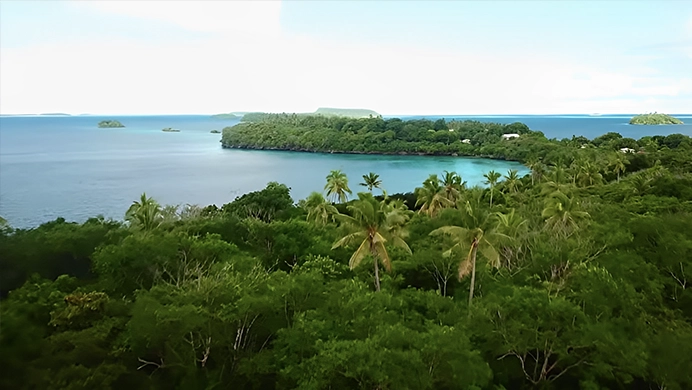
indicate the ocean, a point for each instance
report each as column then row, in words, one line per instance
column 65, row 166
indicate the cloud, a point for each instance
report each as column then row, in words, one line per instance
column 250, row 64
column 256, row 17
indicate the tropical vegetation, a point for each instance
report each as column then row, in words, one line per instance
column 110, row 123
column 655, row 119
column 575, row 276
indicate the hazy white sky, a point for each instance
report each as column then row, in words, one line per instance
column 492, row 57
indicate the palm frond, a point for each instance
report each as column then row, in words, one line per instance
column 358, row 255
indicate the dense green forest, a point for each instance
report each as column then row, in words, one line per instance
column 426, row 137
column 324, row 112
column 576, row 276
column 655, row 119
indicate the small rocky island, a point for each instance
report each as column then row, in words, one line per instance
column 110, row 123
column 215, row 132
column 655, row 119
column 170, row 130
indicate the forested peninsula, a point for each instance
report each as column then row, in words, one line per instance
column 575, row 276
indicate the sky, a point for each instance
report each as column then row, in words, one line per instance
column 394, row 57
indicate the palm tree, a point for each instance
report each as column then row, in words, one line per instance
column 374, row 223
column 319, row 209
column 478, row 234
column 371, row 180
column 492, row 178
column 431, row 196
column 453, row 186
column 337, row 186
column 617, row 163
column 557, row 180
column 562, row 214
column 589, row 174
column 145, row 214
column 537, row 170
column 513, row 226
column 512, row 180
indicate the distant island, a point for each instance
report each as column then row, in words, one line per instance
column 170, row 130
column 54, row 114
column 225, row 116
column 655, row 119
column 215, row 132
column 110, row 123
column 355, row 113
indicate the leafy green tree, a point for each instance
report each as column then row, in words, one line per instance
column 144, row 214
column 374, row 223
column 431, row 196
column 371, row 180
column 337, row 186
column 491, row 179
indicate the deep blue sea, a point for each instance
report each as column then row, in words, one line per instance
column 53, row 166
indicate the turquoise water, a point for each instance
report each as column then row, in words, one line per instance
column 67, row 167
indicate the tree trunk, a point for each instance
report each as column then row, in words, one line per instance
column 474, row 248
column 377, row 267
column 491, row 197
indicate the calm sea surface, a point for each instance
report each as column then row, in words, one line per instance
column 67, row 167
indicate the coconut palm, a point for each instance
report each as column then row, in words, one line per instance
column 145, row 214
column 618, row 163
column 319, row 209
column 537, row 170
column 562, row 214
column 452, row 185
column 337, row 186
column 373, row 224
column 371, row 180
column 431, row 196
column 514, row 226
column 512, row 180
column 492, row 178
column 589, row 174
column 478, row 234
column 557, row 180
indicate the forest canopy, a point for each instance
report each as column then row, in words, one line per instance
column 655, row 119
column 575, row 276
column 110, row 123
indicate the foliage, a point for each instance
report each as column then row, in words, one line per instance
column 654, row 119
column 579, row 274
column 110, row 123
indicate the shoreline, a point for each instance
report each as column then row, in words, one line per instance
column 420, row 154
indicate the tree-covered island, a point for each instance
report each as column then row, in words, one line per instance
column 655, row 119
column 170, row 130
column 110, row 124
column 575, row 276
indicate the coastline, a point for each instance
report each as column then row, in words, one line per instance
column 355, row 152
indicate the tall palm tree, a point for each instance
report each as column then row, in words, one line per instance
column 371, row 180
column 337, row 186
column 562, row 214
column 431, row 196
column 478, row 234
column 557, row 180
column 492, row 178
column 374, row 223
column 145, row 214
column 618, row 163
column 589, row 174
column 319, row 209
column 512, row 180
column 453, row 186
column 537, row 170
